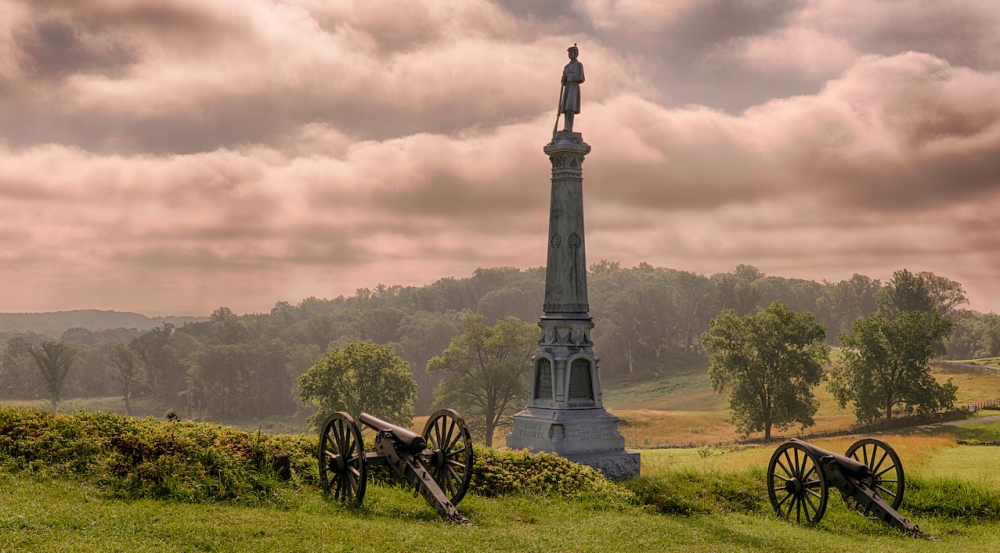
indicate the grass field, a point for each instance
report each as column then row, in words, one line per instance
column 51, row 514
column 55, row 516
column 682, row 409
column 52, row 511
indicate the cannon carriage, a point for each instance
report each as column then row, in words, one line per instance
column 869, row 477
column 436, row 463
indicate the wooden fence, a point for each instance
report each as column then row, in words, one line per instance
column 973, row 407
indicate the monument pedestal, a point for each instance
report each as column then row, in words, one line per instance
column 586, row 436
column 565, row 414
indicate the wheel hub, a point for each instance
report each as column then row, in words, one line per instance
column 794, row 486
column 437, row 458
column 337, row 464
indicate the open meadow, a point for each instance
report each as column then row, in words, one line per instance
column 699, row 498
column 683, row 410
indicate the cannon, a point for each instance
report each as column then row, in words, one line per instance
column 436, row 463
column 869, row 477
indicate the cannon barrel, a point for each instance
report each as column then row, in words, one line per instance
column 854, row 468
column 409, row 439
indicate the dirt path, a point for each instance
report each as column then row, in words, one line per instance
column 941, row 424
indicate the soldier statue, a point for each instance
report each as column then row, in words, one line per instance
column 569, row 96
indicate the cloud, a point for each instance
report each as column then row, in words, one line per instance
column 182, row 154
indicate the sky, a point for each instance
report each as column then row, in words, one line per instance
column 174, row 156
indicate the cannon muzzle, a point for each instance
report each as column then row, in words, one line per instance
column 403, row 436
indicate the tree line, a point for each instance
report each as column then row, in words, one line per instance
column 250, row 365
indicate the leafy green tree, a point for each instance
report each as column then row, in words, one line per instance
column 424, row 335
column 54, row 360
column 127, row 366
column 738, row 290
column 847, row 300
column 150, row 347
column 244, row 379
column 92, row 375
column 18, row 375
column 885, row 366
column 360, row 377
column 767, row 363
column 924, row 292
column 486, row 370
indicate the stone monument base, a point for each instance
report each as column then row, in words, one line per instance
column 614, row 465
column 586, row 436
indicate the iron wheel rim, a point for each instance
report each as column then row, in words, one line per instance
column 450, row 444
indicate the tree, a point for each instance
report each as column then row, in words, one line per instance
column 924, row 292
column 150, row 349
column 885, row 365
column 692, row 295
column 244, row 379
column 768, row 363
column 127, row 364
column 486, row 369
column 360, row 377
column 18, row 377
column 738, row 290
column 54, row 360
column 848, row 300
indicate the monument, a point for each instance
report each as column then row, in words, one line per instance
column 565, row 414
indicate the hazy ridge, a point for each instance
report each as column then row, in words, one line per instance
column 55, row 323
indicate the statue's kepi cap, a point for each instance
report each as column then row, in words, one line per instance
column 573, row 47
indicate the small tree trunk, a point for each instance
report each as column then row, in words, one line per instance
column 128, row 408
column 490, row 426
column 767, row 432
column 54, row 403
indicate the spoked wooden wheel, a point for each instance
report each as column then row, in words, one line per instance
column 342, row 467
column 887, row 472
column 450, row 461
column 796, row 484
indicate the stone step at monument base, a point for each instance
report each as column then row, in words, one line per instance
column 614, row 465
column 586, row 436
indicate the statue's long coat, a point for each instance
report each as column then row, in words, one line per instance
column 573, row 73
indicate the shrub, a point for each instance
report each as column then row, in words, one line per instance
column 193, row 461
column 145, row 458
column 503, row 472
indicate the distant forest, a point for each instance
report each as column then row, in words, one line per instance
column 232, row 365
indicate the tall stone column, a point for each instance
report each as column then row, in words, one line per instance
column 565, row 414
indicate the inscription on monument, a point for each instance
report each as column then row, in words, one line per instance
column 531, row 430
column 592, row 431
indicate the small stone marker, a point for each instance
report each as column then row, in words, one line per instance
column 565, row 414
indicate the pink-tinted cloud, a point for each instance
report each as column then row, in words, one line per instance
column 182, row 155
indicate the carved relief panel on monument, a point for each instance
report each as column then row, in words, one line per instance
column 581, row 383
column 543, row 379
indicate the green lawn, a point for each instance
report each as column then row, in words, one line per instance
column 58, row 516
column 42, row 512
